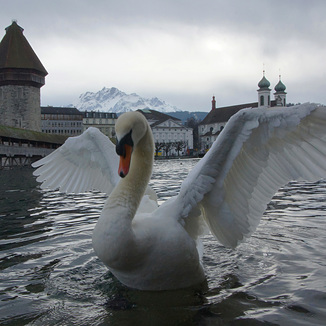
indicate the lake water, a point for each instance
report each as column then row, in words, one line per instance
column 49, row 274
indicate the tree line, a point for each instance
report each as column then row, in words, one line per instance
column 166, row 148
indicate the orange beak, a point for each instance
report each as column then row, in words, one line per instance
column 124, row 164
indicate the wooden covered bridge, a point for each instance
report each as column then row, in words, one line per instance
column 20, row 147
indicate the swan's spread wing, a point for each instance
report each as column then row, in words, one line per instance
column 258, row 152
column 82, row 163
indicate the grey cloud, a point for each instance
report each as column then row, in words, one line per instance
column 275, row 27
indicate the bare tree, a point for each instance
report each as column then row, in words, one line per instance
column 158, row 147
column 167, row 147
column 193, row 123
column 179, row 146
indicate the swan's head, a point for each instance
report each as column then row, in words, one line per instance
column 130, row 128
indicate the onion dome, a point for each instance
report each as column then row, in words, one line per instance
column 264, row 83
column 280, row 87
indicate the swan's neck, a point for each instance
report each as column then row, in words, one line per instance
column 131, row 189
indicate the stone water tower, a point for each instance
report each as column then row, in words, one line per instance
column 21, row 77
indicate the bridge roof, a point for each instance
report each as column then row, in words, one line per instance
column 30, row 135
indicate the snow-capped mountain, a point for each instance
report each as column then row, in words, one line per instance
column 114, row 100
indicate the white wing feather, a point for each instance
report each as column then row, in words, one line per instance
column 82, row 163
column 258, row 152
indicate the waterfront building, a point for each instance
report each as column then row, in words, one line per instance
column 104, row 121
column 61, row 120
column 171, row 137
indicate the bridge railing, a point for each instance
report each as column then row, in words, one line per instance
column 10, row 151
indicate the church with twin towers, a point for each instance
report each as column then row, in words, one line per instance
column 264, row 93
column 217, row 118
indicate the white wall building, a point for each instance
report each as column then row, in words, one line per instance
column 169, row 130
column 104, row 121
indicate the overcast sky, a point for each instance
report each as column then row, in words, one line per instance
column 183, row 51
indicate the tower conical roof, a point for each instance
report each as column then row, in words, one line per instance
column 16, row 52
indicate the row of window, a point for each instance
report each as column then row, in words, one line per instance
column 171, row 129
column 170, row 135
column 219, row 128
column 105, row 115
column 55, row 124
column 61, row 117
column 99, row 121
column 62, row 131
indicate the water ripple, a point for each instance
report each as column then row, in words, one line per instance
column 49, row 274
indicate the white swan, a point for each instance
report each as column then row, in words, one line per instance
column 154, row 248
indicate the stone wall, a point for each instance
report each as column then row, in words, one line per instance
column 20, row 107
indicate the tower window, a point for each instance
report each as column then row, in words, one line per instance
column 261, row 100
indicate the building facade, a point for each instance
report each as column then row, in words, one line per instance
column 21, row 77
column 61, row 120
column 216, row 119
column 104, row 121
column 171, row 137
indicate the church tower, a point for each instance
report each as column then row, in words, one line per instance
column 21, row 77
column 280, row 94
column 264, row 93
column 213, row 103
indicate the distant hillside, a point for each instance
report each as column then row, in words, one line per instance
column 185, row 115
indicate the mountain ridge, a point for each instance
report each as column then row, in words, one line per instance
column 116, row 101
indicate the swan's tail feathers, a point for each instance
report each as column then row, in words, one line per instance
column 82, row 163
column 258, row 151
